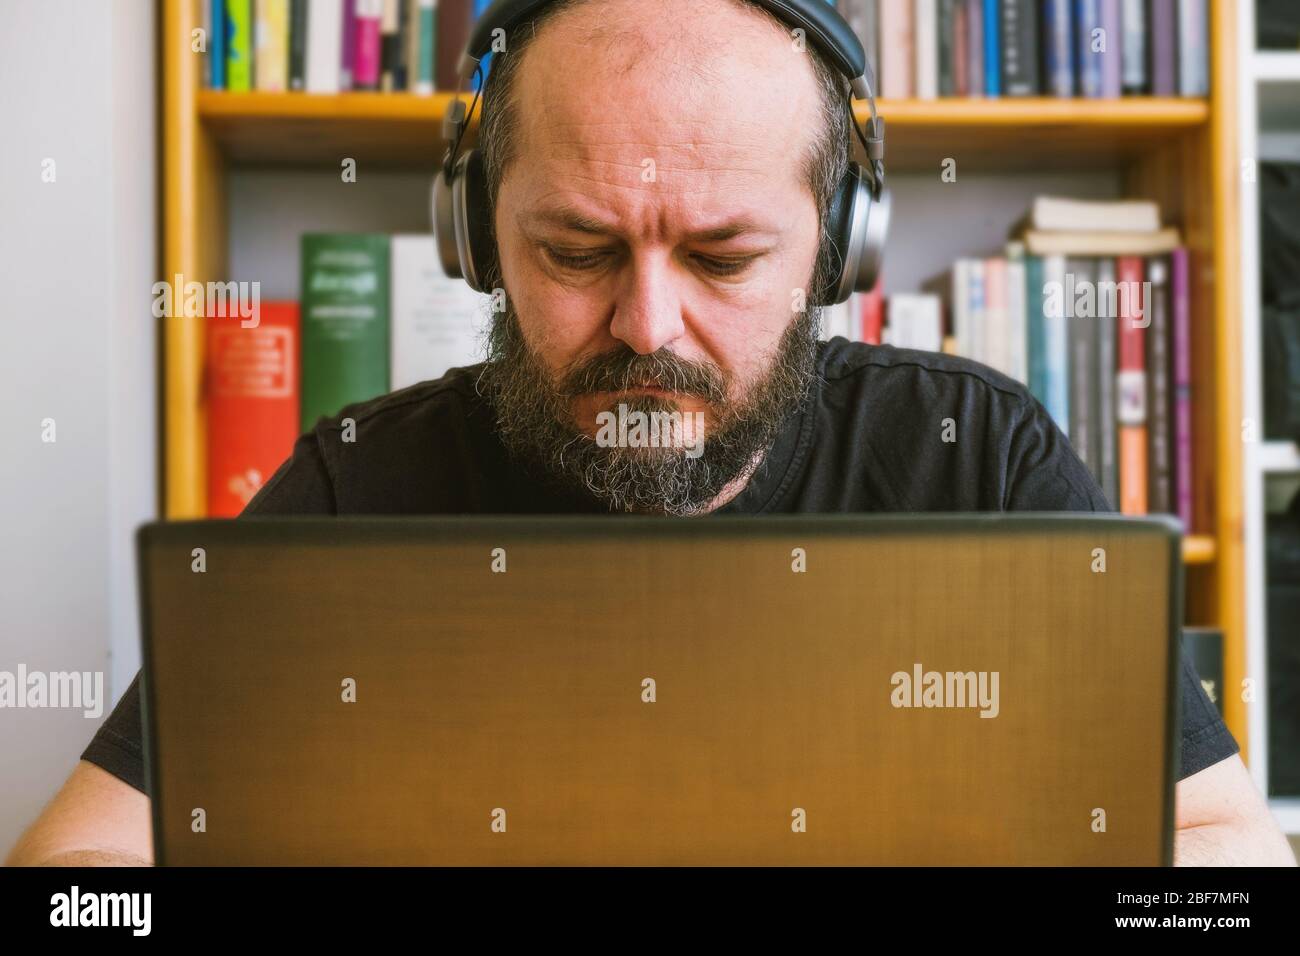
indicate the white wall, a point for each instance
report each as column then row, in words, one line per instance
column 77, row 261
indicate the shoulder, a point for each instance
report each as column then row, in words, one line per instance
column 886, row 368
column 396, row 453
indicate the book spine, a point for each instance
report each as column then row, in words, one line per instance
column 960, row 49
column 297, row 45
column 1108, row 425
column 926, row 58
column 402, row 57
column 348, row 47
column 1035, row 330
column 975, row 46
column 896, row 49
column 239, row 45
column 1057, row 349
column 1017, row 319
column 1163, row 28
column 992, row 49
column 324, row 39
column 1182, row 384
column 872, row 321
column 389, row 49
column 251, row 395
column 1090, row 41
column 996, row 352
column 1058, row 47
column 485, row 65
column 1131, row 383
column 1020, row 48
column 1082, row 373
column 947, row 50
column 345, row 298
column 1112, row 71
column 977, row 306
column 369, row 42
column 1193, row 49
column 1133, row 15
column 271, row 30
column 452, row 36
column 424, row 85
column 1159, row 431
column 436, row 321
column 217, row 44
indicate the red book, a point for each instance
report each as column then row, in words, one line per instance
column 251, row 381
column 1131, row 385
column 366, row 59
column 873, row 314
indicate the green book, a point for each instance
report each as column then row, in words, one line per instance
column 345, row 294
column 239, row 45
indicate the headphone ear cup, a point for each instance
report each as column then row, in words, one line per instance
column 856, row 227
column 473, row 224
column 839, row 235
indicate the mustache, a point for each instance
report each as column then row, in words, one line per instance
column 624, row 369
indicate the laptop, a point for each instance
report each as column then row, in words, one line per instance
column 793, row 690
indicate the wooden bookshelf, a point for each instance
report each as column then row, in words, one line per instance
column 1179, row 152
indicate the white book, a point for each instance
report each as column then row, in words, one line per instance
column 916, row 321
column 436, row 323
column 1056, row 345
column 1054, row 214
column 961, row 325
column 977, row 303
column 324, row 45
column 1017, row 315
column 835, row 320
column 926, row 33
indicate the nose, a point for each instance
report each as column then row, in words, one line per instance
column 648, row 310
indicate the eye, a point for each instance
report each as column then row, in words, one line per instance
column 583, row 262
column 724, row 267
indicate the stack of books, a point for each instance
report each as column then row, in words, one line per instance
column 1063, row 48
column 332, row 46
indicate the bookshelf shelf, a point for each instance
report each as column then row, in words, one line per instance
column 1181, row 153
column 399, row 129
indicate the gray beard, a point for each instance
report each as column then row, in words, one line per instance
column 534, row 417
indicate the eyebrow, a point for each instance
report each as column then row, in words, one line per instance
column 566, row 217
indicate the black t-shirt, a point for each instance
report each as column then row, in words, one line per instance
column 870, row 438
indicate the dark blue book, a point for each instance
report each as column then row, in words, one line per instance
column 992, row 48
column 1088, row 37
column 217, row 46
column 480, row 7
column 1019, row 28
column 1058, row 47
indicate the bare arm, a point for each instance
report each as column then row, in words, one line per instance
column 1221, row 819
column 94, row 820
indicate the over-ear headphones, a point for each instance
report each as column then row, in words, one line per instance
column 858, row 218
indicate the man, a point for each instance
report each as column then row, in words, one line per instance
column 673, row 292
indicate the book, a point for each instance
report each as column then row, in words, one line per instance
column 1035, row 328
column 992, row 49
column 1162, row 28
column 1058, row 48
column 427, row 14
column 1043, row 243
column 960, row 49
column 271, row 32
column 1055, row 214
column 1107, row 424
column 896, row 38
column 345, row 299
column 1019, row 44
column 1083, row 374
column 1160, row 498
column 485, row 65
column 324, row 41
column 217, row 31
column 1090, row 41
column 297, row 45
column 1133, row 23
column 1131, row 386
column 915, row 321
column 1112, row 53
column 437, row 322
column 1181, row 347
column 871, row 319
column 996, row 320
column 250, row 388
column 239, row 45
column 347, row 51
column 861, row 16
column 975, row 46
column 390, row 49
column 1193, row 49
column 926, row 49
column 1017, row 314
column 452, row 36
column 367, row 44
column 1056, row 349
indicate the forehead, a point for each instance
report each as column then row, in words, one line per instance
column 706, row 112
